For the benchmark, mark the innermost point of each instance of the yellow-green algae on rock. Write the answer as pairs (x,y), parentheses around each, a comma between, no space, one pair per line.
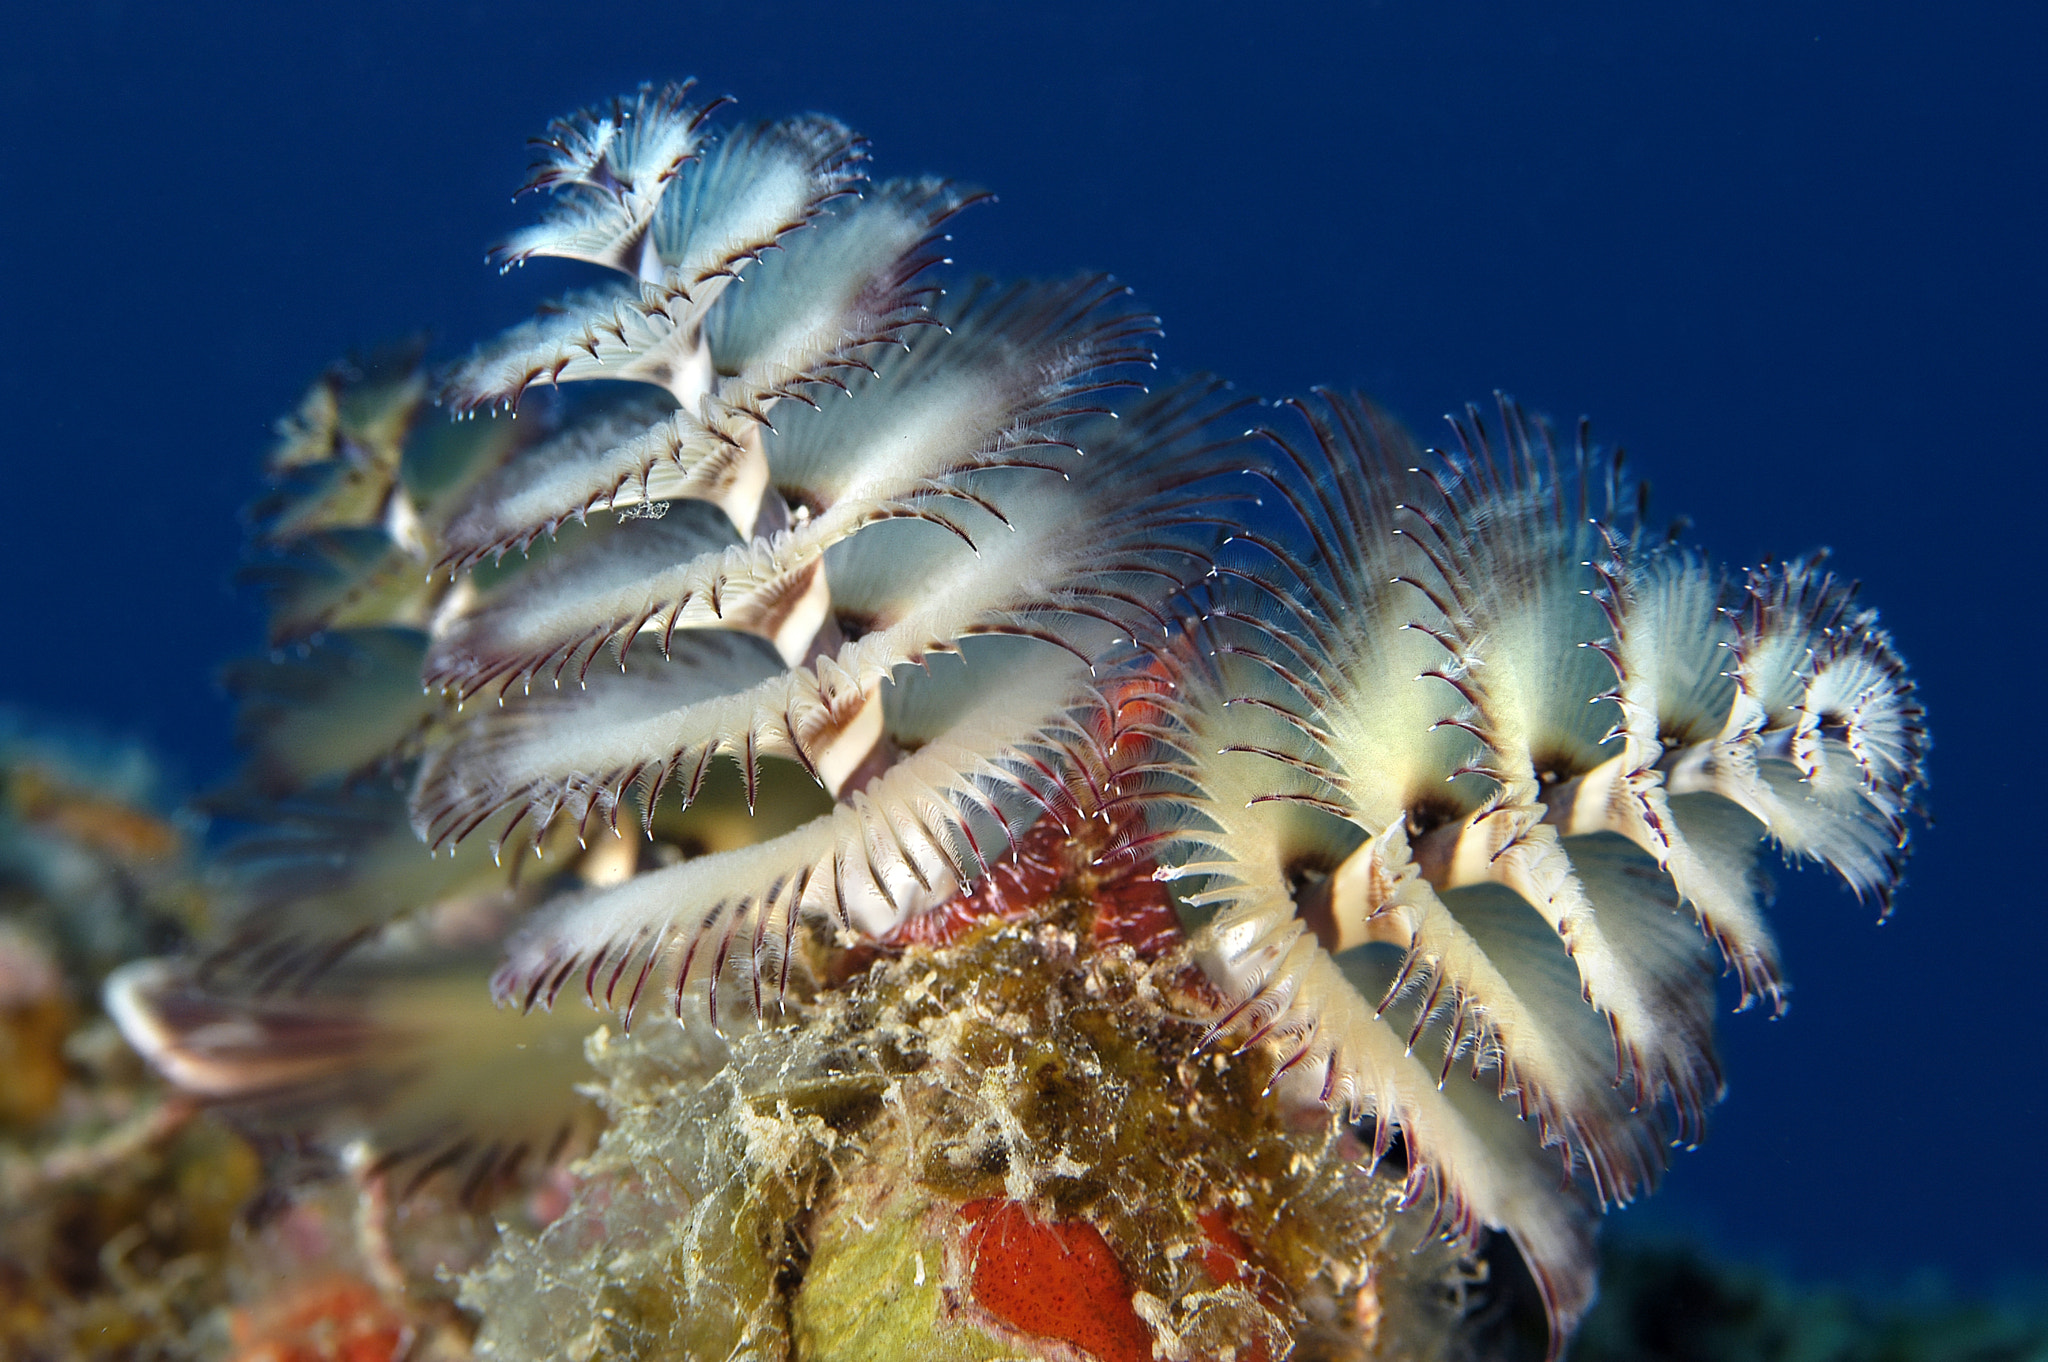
(797,1192)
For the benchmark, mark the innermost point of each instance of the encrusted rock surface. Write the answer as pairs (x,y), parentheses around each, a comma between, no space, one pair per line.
(1012,1146)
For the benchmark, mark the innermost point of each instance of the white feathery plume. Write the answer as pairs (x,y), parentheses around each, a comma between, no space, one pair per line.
(1459,708)
(609,170)
(831,298)
(996,387)
(406,1053)
(1072,565)
(902,845)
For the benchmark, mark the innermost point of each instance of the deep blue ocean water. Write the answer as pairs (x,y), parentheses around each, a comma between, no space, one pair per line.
(1789,255)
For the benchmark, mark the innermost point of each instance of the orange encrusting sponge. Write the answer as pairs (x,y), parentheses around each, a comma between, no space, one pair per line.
(1055,1279)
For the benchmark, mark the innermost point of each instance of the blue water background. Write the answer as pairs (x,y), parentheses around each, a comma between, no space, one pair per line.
(1790,255)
